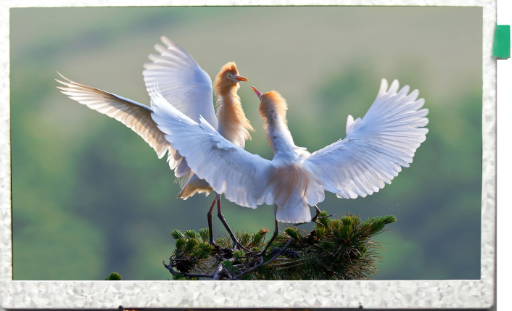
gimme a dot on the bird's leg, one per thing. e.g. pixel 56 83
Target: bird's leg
pixel 210 221
pixel 318 211
pixel 276 232
pixel 236 244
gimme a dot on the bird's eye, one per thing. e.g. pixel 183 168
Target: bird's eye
pixel 229 76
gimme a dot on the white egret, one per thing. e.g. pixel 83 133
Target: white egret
pixel 373 153
pixel 188 88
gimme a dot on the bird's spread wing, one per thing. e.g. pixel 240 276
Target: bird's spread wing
pixel 229 169
pixel 376 147
pixel 132 114
pixel 181 81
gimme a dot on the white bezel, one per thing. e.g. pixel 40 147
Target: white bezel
pixel 257 294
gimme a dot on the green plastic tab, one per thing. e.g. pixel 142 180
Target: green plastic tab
pixel 501 46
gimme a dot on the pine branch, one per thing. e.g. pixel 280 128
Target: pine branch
pixel 238 277
pixel 336 249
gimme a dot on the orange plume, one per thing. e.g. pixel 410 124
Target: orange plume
pixel 272 104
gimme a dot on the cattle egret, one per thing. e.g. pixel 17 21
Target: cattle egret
pixel 188 88
pixel 372 153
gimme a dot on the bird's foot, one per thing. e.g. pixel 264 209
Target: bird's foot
pixel 212 243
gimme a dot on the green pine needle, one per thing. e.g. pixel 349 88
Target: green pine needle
pixel 292 233
pixel 114 276
pixel 336 249
pixel 205 234
pixel 191 243
pixel 177 234
pixel 191 234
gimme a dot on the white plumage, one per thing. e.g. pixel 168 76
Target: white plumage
pixel 181 81
pixel 372 153
pixel 187 88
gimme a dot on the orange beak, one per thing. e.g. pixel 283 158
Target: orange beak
pixel 256 91
pixel 240 78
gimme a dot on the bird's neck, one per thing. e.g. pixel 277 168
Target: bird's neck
pixel 276 129
pixel 233 124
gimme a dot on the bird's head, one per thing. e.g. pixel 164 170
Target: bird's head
pixel 227 79
pixel 270 103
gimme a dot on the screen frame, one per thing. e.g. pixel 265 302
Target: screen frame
pixel 258 294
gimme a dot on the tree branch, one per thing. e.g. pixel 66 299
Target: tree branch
pixel 263 263
pixel 290 263
pixel 170 268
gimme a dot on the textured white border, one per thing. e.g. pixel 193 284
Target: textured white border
pixel 256 294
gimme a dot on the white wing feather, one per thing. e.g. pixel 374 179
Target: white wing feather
pixel 181 82
pixel 228 168
pixel 132 114
pixel 376 147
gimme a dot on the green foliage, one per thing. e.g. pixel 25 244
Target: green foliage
pixel 192 234
pixel 228 264
pixel 191 243
pixel 205 234
pixel 258 237
pixel 180 243
pixel 320 232
pixel 177 234
pixel 223 242
pixel 245 239
pixel 325 220
pixel 292 232
pixel 203 250
pixel 114 276
pixel 237 254
pixel 189 250
pixel 192 256
pixel 337 249
pixel 376 225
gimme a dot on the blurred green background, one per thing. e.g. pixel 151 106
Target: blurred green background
pixel 90 197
